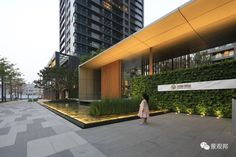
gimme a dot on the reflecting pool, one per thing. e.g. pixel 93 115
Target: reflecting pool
pixel 80 112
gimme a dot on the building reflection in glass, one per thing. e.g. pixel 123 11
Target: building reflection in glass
pixel 130 69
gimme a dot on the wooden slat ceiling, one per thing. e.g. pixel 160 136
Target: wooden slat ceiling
pixel 198 25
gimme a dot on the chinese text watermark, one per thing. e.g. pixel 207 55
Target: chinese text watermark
pixel 214 146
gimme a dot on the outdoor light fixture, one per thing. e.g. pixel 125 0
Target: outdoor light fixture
pixel 177 110
pixel 218 114
pixel 203 114
pixel 189 111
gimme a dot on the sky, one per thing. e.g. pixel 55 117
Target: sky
pixel 29 30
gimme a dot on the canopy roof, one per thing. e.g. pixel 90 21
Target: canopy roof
pixel 197 25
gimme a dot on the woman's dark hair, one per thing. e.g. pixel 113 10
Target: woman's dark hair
pixel 146 97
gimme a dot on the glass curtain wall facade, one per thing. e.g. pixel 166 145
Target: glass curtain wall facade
pixel 200 58
pixel 130 69
pixel 94 25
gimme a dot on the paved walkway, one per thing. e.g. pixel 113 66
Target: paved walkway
pixel 28 129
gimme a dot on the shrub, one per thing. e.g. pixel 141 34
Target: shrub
pixel 218 112
pixel 201 109
pixel 176 107
pixel 117 106
pixel 189 111
pixel 32 99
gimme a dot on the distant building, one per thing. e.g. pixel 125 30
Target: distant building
pixel 25 92
pixel 30 91
pixel 91 25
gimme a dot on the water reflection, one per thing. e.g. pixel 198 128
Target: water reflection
pixel 73 108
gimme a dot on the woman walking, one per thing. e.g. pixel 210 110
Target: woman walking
pixel 144 109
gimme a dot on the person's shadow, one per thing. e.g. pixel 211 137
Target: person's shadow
pixel 152 124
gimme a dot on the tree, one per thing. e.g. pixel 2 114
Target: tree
pixel 53 78
pixel 10 77
pixel 85 57
pixel 3 68
pixel 18 84
pixel 73 83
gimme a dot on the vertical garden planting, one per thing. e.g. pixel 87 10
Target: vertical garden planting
pixel 204 102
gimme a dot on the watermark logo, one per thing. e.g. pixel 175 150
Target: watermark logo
pixel 214 146
pixel 204 145
pixel 173 86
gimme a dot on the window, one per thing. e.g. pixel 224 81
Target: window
pixel 95 35
pixel 107 5
pixel 81 29
pixel 107 30
pixel 107 14
pixel 96 9
pixel 84 2
pixel 138 11
pixel 96 18
pixel 94 26
pixel 81 49
pixel 95 44
pixel 82 10
pixel 138 23
pixel 130 69
pixel 107 22
pixel 138 17
pixel 125 8
pixel 140 1
pixel 145 66
pixel 97 1
pixel 82 39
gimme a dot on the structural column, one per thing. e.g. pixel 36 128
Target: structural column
pixel 234 115
pixel 150 62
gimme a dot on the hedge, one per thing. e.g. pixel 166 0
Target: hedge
pixel 117 106
pixel 209 102
pixel 32 99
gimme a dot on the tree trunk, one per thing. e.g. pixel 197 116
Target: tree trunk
pixel 18 92
pixel 60 95
pixel 11 90
pixel 5 91
pixel 2 88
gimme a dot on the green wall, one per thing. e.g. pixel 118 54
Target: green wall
pixel 211 102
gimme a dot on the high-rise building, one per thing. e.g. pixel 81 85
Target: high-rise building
pixel 92 25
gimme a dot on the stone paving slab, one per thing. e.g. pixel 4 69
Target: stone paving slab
pixel 40 147
pixel 28 129
pixel 170 135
